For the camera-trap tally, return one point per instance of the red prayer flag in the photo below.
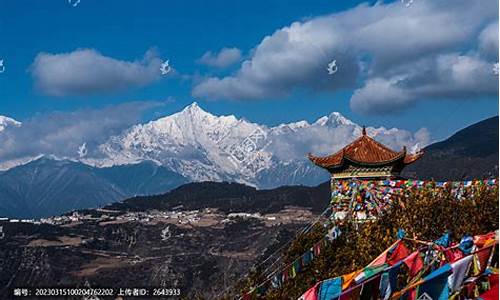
(381, 259)
(311, 294)
(400, 252)
(483, 255)
(480, 240)
(248, 295)
(317, 249)
(492, 293)
(414, 263)
(285, 275)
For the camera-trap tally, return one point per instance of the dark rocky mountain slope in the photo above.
(46, 187)
(470, 153)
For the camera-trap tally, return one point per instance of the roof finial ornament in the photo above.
(364, 130)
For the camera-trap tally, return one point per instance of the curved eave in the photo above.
(402, 156)
(318, 161)
(409, 159)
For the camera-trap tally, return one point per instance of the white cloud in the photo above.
(63, 133)
(448, 75)
(223, 59)
(380, 47)
(380, 95)
(488, 41)
(325, 140)
(86, 71)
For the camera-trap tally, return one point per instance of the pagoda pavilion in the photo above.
(363, 160)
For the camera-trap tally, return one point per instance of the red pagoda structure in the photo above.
(351, 168)
(365, 158)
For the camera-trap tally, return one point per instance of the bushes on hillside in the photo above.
(424, 214)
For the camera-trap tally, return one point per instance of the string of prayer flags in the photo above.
(291, 270)
(367, 199)
(381, 277)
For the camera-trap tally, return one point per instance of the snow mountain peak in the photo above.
(193, 108)
(6, 122)
(333, 120)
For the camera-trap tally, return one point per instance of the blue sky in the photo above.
(408, 94)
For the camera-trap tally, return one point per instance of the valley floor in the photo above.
(194, 250)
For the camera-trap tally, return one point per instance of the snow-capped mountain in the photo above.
(195, 143)
(6, 122)
(202, 147)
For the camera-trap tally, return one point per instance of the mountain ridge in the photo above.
(46, 187)
(471, 152)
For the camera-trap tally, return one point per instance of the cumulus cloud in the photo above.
(378, 49)
(87, 72)
(488, 41)
(324, 140)
(223, 59)
(448, 76)
(63, 133)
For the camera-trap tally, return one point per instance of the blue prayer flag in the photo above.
(444, 240)
(436, 284)
(330, 288)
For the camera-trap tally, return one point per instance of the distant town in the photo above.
(188, 218)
